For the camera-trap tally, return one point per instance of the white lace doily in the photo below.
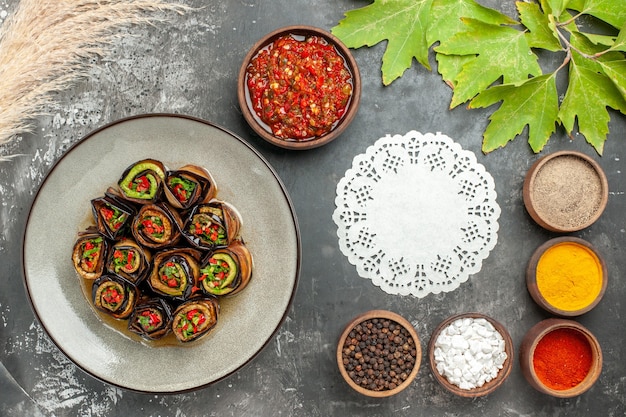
(416, 214)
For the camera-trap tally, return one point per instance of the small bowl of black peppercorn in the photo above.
(379, 353)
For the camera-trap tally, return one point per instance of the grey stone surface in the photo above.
(190, 67)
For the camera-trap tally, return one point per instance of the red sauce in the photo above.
(299, 88)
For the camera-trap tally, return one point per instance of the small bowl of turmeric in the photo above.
(560, 357)
(566, 276)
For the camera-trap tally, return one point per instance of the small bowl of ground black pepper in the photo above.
(379, 353)
(565, 191)
(560, 357)
(566, 276)
(299, 87)
(470, 354)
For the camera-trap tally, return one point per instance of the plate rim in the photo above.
(262, 159)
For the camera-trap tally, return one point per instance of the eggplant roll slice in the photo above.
(114, 296)
(129, 260)
(226, 271)
(212, 225)
(195, 318)
(175, 273)
(151, 319)
(112, 216)
(89, 255)
(155, 226)
(142, 182)
(188, 186)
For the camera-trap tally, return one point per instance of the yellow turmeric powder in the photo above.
(569, 276)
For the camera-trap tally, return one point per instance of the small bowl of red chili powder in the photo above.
(560, 357)
(299, 87)
(379, 353)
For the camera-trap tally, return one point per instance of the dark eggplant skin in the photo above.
(152, 171)
(207, 307)
(120, 308)
(139, 266)
(103, 207)
(185, 262)
(91, 266)
(205, 189)
(240, 256)
(217, 216)
(152, 309)
(170, 220)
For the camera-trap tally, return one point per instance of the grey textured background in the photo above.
(190, 67)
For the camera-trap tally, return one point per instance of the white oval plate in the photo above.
(62, 208)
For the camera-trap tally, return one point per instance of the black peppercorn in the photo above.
(385, 354)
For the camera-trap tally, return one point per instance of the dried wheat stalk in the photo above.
(45, 46)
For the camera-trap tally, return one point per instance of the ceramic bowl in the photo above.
(345, 341)
(547, 301)
(565, 191)
(529, 345)
(486, 388)
(262, 129)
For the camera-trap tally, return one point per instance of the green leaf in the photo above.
(604, 40)
(446, 22)
(611, 11)
(542, 32)
(402, 23)
(533, 103)
(589, 93)
(620, 41)
(499, 52)
(447, 14)
(616, 71)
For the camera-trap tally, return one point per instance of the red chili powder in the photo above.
(562, 358)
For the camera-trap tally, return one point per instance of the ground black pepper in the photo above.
(379, 354)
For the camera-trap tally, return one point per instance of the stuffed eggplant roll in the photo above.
(212, 225)
(195, 318)
(188, 186)
(155, 226)
(175, 273)
(112, 216)
(142, 182)
(114, 296)
(151, 319)
(226, 271)
(89, 255)
(129, 260)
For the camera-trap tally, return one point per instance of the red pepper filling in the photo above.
(170, 275)
(182, 189)
(153, 226)
(300, 89)
(189, 324)
(112, 297)
(149, 320)
(140, 184)
(91, 254)
(215, 273)
(207, 231)
(124, 259)
(113, 217)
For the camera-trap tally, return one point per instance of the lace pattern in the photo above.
(416, 214)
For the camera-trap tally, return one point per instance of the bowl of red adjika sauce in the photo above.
(560, 357)
(299, 87)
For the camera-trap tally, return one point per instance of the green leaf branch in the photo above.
(490, 59)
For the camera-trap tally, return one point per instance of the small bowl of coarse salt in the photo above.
(470, 354)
